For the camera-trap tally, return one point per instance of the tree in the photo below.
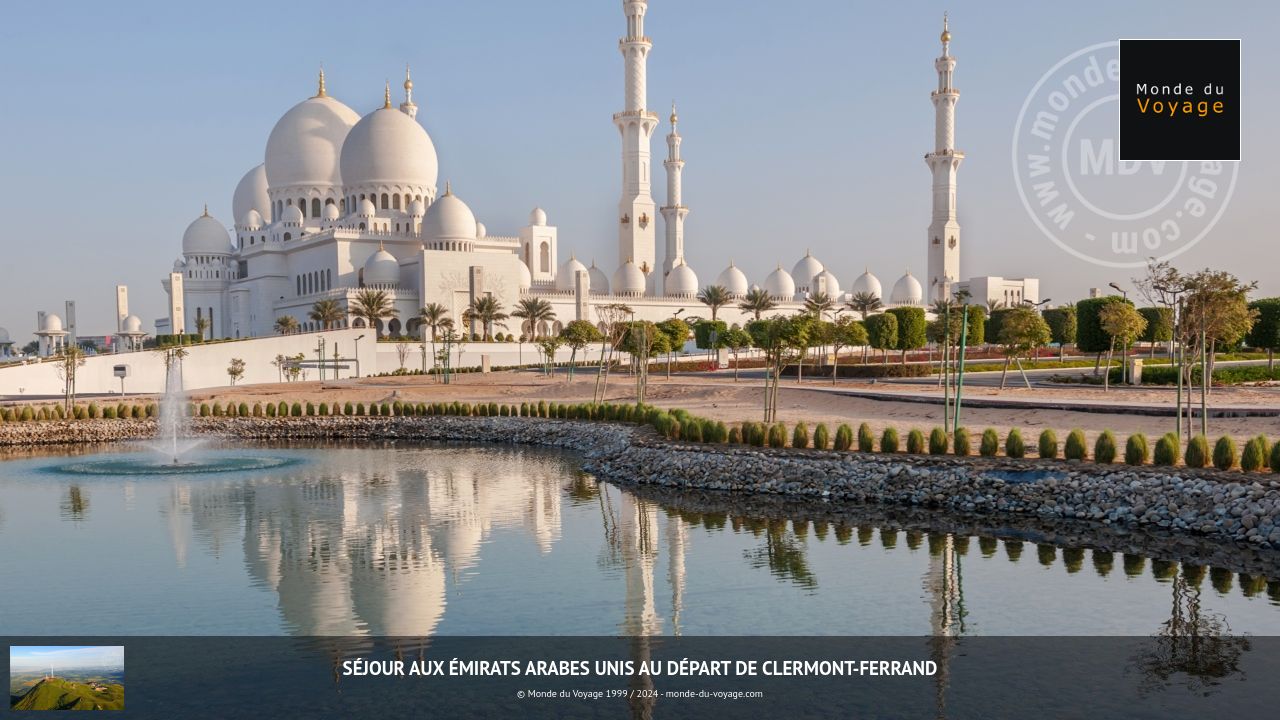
(1123, 323)
(1022, 332)
(1159, 326)
(487, 311)
(548, 346)
(202, 326)
(977, 332)
(69, 362)
(532, 312)
(706, 333)
(327, 313)
(882, 332)
(736, 340)
(994, 304)
(779, 338)
(1090, 337)
(1216, 314)
(818, 305)
(577, 335)
(432, 316)
(1062, 326)
(864, 302)
(1265, 333)
(757, 302)
(235, 370)
(611, 317)
(714, 297)
(845, 332)
(402, 352)
(912, 329)
(374, 306)
(677, 332)
(286, 324)
(995, 322)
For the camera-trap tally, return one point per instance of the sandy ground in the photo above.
(812, 401)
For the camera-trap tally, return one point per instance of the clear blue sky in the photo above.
(64, 657)
(804, 126)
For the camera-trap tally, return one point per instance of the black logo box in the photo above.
(1187, 68)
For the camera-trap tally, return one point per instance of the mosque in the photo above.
(342, 203)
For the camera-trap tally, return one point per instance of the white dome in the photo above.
(206, 236)
(867, 283)
(628, 280)
(481, 230)
(367, 208)
(682, 281)
(733, 280)
(526, 277)
(538, 217)
(179, 264)
(251, 194)
(292, 215)
(4, 335)
(805, 270)
(331, 211)
(907, 291)
(381, 269)
(417, 208)
(387, 147)
(449, 218)
(599, 281)
(780, 285)
(251, 220)
(833, 284)
(52, 324)
(568, 274)
(133, 324)
(305, 145)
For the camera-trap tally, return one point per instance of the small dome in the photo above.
(133, 324)
(599, 281)
(833, 285)
(568, 274)
(481, 230)
(805, 270)
(381, 269)
(251, 220)
(780, 285)
(538, 217)
(526, 277)
(733, 280)
(682, 282)
(206, 236)
(331, 212)
(367, 208)
(292, 215)
(417, 208)
(4, 335)
(628, 280)
(305, 144)
(387, 147)
(52, 324)
(179, 264)
(449, 218)
(867, 283)
(251, 194)
(907, 291)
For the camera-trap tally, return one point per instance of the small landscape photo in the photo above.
(62, 677)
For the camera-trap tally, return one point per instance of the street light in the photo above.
(358, 339)
(1123, 293)
(1037, 305)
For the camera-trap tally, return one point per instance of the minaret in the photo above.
(944, 162)
(636, 221)
(407, 107)
(674, 212)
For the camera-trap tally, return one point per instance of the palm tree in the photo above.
(533, 312)
(994, 304)
(757, 302)
(488, 312)
(373, 306)
(818, 305)
(432, 317)
(714, 297)
(864, 302)
(202, 327)
(286, 324)
(326, 312)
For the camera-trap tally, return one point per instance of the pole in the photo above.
(946, 377)
(1175, 359)
(1204, 376)
(964, 337)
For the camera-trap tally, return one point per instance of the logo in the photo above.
(1072, 182)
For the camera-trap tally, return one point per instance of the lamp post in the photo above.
(1176, 360)
(358, 339)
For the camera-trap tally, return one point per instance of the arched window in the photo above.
(288, 237)
(395, 202)
(328, 282)
(289, 202)
(361, 226)
(315, 207)
(302, 205)
(343, 206)
(544, 258)
(385, 201)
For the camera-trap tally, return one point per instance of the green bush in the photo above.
(204, 410)
(1014, 446)
(109, 413)
(94, 411)
(866, 439)
(778, 436)
(1136, 450)
(800, 436)
(938, 441)
(889, 440)
(1197, 452)
(961, 444)
(231, 410)
(360, 408)
(311, 409)
(323, 409)
(821, 437)
(693, 432)
(218, 410)
(257, 409)
(296, 409)
(244, 409)
(1104, 449)
(915, 442)
(735, 435)
(1076, 448)
(1274, 459)
(1254, 457)
(1047, 447)
(1265, 445)
(348, 408)
(1167, 450)
(989, 446)
(1224, 453)
(542, 409)
(757, 435)
(844, 437)
(282, 409)
(721, 433)
(271, 409)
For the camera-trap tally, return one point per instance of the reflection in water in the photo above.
(1193, 647)
(76, 505)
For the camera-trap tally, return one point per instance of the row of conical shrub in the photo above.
(91, 411)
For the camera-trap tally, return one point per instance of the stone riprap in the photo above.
(1224, 506)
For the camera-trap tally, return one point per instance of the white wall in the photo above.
(500, 355)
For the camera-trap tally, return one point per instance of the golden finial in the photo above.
(946, 33)
(206, 210)
(448, 187)
(674, 118)
(320, 92)
(408, 81)
(386, 96)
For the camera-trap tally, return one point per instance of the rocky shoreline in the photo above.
(1229, 508)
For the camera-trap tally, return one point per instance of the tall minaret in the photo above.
(944, 161)
(407, 107)
(636, 221)
(674, 212)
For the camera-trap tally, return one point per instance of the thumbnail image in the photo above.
(57, 677)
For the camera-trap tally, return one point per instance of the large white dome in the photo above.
(251, 194)
(907, 291)
(833, 284)
(805, 270)
(206, 236)
(381, 269)
(733, 280)
(628, 280)
(568, 274)
(305, 145)
(389, 148)
(868, 283)
(599, 281)
(526, 277)
(682, 282)
(449, 218)
(779, 285)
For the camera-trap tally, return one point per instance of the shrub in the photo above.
(204, 410)
(348, 409)
(889, 441)
(1075, 448)
(386, 410)
(296, 409)
(1274, 459)
(1104, 449)
(1014, 446)
(139, 412)
(218, 410)
(311, 408)
(721, 433)
(493, 409)
(778, 436)
(282, 409)
(1166, 452)
(271, 409)
(244, 409)
(915, 442)
(821, 437)
(109, 413)
(1136, 450)
(800, 436)
(322, 409)
(153, 410)
(542, 409)
(1047, 447)
(1224, 453)
(844, 437)
(360, 408)
(735, 435)
(94, 411)
(960, 444)
(1197, 452)
(866, 440)
(257, 409)
(937, 441)
(757, 434)
(231, 410)
(1265, 444)
(1254, 457)
(693, 432)
(989, 446)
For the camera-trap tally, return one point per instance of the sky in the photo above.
(64, 657)
(804, 126)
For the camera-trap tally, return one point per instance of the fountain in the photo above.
(172, 439)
